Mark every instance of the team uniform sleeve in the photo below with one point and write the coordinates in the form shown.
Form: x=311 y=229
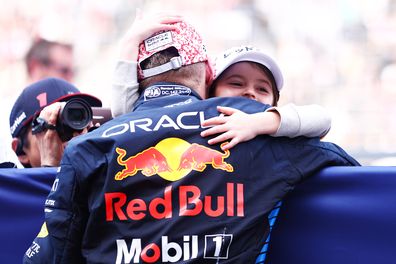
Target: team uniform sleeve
x=309 y=156
x=308 y=120
x=40 y=251
x=65 y=217
x=125 y=87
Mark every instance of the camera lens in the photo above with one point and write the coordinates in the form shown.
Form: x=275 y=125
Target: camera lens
x=75 y=115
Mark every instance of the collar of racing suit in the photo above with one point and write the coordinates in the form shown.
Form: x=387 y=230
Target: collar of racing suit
x=173 y=92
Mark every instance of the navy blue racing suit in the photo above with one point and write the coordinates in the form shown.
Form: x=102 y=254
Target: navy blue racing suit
x=147 y=188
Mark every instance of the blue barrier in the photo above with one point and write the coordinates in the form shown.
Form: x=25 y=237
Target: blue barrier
x=341 y=215
x=22 y=196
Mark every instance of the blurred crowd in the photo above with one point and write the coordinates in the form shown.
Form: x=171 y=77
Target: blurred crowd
x=339 y=54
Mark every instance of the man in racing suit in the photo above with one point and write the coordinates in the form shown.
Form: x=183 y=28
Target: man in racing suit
x=147 y=188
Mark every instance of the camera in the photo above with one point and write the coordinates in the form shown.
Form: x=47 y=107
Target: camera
x=101 y=115
x=74 y=116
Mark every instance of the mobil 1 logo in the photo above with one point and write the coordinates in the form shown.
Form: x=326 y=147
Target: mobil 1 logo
x=217 y=246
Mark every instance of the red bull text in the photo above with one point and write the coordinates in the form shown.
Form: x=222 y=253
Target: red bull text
x=191 y=203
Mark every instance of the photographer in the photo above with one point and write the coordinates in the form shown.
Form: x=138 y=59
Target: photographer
x=46 y=115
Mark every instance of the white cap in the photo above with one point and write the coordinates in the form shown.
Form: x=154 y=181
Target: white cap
x=247 y=53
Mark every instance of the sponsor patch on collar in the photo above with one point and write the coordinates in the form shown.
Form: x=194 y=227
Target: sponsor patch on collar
x=165 y=90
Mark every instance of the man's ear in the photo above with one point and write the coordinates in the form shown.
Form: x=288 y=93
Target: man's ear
x=17 y=146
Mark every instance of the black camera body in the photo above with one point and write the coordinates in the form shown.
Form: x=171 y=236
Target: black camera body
x=73 y=116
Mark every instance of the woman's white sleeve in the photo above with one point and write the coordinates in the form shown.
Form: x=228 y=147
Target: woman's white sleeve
x=308 y=120
x=125 y=87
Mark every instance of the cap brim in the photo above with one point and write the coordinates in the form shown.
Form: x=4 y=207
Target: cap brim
x=91 y=100
x=260 y=58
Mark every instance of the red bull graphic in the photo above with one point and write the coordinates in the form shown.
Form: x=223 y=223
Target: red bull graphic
x=149 y=161
x=172 y=159
x=197 y=156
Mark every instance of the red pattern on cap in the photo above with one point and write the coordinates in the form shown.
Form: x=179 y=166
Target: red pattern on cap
x=187 y=41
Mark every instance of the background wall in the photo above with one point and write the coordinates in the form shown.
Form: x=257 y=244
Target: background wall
x=340 y=54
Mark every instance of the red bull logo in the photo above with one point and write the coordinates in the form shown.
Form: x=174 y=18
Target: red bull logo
x=197 y=157
x=172 y=159
x=149 y=161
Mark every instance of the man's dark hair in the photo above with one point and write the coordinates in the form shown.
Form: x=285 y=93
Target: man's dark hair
x=40 y=52
x=189 y=75
x=22 y=141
